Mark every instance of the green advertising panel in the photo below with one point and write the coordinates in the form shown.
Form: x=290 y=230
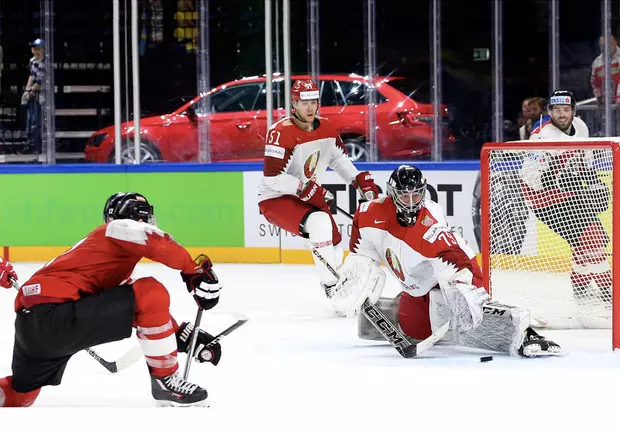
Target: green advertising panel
x=197 y=208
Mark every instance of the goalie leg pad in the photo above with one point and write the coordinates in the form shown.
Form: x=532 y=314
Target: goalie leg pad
x=503 y=327
x=389 y=307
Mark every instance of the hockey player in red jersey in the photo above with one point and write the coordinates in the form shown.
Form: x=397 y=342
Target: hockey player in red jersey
x=298 y=151
x=85 y=297
x=437 y=271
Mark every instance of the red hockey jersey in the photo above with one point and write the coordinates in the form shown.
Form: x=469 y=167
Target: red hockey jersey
x=102 y=260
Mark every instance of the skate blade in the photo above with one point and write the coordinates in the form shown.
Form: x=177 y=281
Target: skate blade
x=171 y=404
x=545 y=353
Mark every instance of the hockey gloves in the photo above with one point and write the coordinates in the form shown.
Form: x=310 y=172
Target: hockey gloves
x=315 y=195
x=7 y=274
x=203 y=283
x=365 y=184
x=204 y=352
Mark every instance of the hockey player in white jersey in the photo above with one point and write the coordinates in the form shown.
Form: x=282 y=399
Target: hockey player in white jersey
x=564 y=191
x=298 y=151
x=561 y=124
x=437 y=271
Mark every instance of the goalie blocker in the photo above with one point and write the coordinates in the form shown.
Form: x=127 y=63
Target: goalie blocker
x=437 y=270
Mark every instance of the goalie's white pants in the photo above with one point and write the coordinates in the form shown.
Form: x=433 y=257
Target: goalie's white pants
x=502 y=328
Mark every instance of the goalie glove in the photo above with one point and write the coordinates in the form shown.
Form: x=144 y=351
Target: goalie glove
x=359 y=278
x=464 y=300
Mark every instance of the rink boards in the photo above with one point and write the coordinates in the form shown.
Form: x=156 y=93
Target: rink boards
x=207 y=208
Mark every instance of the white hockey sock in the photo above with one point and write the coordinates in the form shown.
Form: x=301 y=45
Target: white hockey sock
x=318 y=226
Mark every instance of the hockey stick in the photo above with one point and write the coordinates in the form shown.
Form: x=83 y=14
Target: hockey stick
x=128 y=359
x=240 y=321
x=192 y=344
x=390 y=332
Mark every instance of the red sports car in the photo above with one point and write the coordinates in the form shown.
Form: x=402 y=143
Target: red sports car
x=238 y=122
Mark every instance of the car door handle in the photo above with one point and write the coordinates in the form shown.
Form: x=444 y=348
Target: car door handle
x=244 y=125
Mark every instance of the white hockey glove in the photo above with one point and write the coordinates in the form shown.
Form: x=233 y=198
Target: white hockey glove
x=360 y=278
x=464 y=300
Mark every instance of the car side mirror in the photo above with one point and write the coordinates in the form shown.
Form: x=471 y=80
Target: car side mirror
x=191 y=113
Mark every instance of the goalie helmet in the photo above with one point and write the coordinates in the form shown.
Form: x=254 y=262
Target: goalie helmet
x=128 y=205
x=407 y=187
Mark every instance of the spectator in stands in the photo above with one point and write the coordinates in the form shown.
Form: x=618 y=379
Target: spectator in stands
x=34 y=97
x=533 y=109
x=597 y=76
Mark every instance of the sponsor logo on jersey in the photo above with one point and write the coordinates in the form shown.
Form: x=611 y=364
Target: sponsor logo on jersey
x=394 y=264
x=311 y=163
x=30 y=290
x=427 y=221
x=274 y=151
x=434 y=232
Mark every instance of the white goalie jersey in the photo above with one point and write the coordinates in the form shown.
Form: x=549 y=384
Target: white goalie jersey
x=417 y=255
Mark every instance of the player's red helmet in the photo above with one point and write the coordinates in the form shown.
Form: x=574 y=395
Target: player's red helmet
x=304 y=89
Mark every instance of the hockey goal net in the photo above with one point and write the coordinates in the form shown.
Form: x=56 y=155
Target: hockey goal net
x=548 y=232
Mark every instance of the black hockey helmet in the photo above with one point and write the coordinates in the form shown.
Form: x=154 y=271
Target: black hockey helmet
x=562 y=97
x=407 y=187
x=128 y=205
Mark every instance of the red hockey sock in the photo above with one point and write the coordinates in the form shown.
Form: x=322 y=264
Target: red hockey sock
x=9 y=397
x=155 y=327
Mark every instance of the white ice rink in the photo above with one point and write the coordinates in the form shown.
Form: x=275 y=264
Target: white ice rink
x=296 y=365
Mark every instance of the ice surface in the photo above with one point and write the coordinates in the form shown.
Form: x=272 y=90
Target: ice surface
x=296 y=365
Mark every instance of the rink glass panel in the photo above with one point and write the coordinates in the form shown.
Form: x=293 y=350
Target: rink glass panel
x=529 y=264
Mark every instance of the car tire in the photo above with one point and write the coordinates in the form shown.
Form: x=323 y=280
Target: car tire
x=356 y=148
x=148 y=153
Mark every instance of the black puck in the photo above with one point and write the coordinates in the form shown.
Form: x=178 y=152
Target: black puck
x=486 y=358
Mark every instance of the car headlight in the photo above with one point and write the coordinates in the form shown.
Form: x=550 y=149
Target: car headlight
x=96 y=140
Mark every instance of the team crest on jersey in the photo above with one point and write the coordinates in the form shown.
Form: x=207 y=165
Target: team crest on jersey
x=427 y=221
x=311 y=163
x=394 y=264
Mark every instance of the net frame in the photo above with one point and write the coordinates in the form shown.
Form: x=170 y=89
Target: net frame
x=589 y=144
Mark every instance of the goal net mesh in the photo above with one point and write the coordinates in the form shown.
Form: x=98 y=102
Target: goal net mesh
x=550 y=234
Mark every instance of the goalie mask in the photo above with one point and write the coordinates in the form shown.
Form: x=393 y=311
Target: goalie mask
x=407 y=187
x=129 y=205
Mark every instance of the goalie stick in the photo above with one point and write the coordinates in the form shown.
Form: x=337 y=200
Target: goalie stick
x=390 y=332
x=128 y=359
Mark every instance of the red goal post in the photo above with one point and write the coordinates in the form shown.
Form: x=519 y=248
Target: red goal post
x=548 y=230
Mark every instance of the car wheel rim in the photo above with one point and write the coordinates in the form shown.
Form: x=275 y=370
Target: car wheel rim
x=355 y=152
x=127 y=155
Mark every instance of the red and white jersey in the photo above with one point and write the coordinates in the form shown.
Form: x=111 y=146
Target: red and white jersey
x=597 y=76
x=294 y=156
x=103 y=260
x=547 y=131
x=416 y=254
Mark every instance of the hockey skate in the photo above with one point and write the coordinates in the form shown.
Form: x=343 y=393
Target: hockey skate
x=535 y=345
x=174 y=391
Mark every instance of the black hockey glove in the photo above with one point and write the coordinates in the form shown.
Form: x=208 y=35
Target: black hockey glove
x=203 y=283
x=203 y=352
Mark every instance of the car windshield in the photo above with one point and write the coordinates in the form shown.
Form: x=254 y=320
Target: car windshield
x=419 y=91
